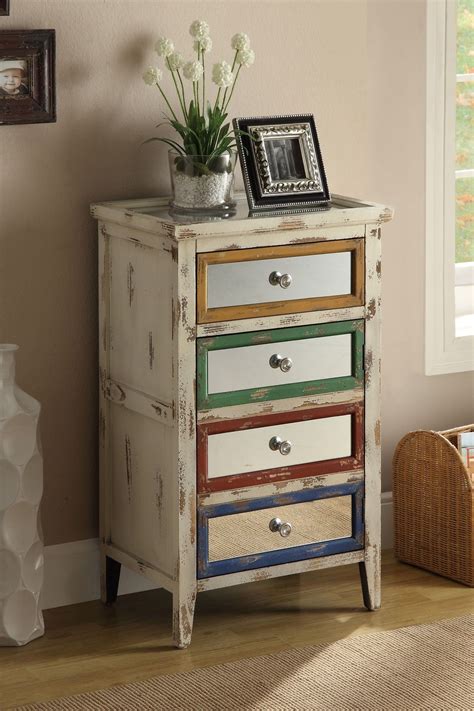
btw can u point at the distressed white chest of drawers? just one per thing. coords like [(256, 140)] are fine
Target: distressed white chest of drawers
[(239, 397)]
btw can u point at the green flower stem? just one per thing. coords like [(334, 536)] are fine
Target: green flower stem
[(233, 87), (184, 95), (203, 86), (227, 88), (197, 83), (177, 89), (217, 99), (167, 102)]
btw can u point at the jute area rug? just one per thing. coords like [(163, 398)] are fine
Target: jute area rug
[(420, 667)]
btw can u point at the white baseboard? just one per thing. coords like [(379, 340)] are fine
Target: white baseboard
[(72, 569), (72, 574), (387, 520)]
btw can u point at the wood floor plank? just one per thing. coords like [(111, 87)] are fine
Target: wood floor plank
[(89, 646)]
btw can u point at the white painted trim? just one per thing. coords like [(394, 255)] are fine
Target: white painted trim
[(72, 574), (444, 353), (387, 520), (72, 570)]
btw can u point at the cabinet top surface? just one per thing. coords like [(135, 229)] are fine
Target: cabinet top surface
[(153, 215)]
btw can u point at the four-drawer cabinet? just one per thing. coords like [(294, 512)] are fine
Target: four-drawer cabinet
[(239, 396)]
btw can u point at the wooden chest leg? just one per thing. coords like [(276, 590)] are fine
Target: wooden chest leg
[(183, 616), (109, 579), (369, 571)]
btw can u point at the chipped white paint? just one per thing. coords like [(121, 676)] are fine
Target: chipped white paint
[(372, 509), (277, 571), (235, 412), (104, 403), (281, 487), (289, 235), (183, 469), (286, 321), (122, 394), (147, 350), (152, 215)]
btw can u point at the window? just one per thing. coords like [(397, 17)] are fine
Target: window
[(450, 187)]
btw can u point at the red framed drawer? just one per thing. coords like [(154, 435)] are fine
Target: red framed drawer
[(290, 445)]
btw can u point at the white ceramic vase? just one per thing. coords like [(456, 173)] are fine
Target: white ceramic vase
[(21, 488)]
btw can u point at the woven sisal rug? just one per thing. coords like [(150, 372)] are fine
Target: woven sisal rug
[(420, 667)]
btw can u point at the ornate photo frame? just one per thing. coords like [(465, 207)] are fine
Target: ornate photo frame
[(281, 162), (27, 76)]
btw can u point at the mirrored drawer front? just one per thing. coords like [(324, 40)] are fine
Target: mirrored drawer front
[(268, 448), (271, 530), (243, 283), (285, 362)]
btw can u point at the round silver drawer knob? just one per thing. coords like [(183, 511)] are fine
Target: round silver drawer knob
[(279, 279), (277, 444), (278, 361), (276, 525)]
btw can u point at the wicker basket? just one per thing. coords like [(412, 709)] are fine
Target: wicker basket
[(433, 500)]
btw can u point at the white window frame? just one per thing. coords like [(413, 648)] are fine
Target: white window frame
[(444, 353)]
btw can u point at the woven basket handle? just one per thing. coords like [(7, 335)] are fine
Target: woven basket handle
[(457, 430)]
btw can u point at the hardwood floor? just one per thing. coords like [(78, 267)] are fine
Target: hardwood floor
[(89, 646)]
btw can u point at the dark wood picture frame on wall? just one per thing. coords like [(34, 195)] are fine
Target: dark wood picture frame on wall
[(27, 76), (4, 7)]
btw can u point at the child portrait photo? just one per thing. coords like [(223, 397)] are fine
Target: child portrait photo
[(27, 76), (13, 78)]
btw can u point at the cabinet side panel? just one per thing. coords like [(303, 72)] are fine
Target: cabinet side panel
[(141, 488), (140, 318)]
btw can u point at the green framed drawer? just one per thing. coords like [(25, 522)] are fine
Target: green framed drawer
[(285, 362)]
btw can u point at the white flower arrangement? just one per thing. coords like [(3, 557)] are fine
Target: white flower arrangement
[(175, 61), (240, 41), (222, 74), (202, 128), (204, 44), (164, 47), (245, 57), (193, 70), (152, 75), (199, 29)]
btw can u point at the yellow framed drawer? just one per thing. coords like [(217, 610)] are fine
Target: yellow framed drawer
[(244, 283)]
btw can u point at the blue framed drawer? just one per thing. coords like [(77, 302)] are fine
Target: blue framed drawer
[(267, 531)]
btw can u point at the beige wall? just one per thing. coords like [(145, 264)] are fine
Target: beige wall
[(357, 65)]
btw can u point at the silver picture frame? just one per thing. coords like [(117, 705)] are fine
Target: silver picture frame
[(281, 162)]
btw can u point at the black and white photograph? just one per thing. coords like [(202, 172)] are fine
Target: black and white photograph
[(285, 159), (13, 78), (281, 162)]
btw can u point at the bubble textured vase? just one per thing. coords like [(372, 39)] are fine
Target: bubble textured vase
[(202, 185), (21, 488)]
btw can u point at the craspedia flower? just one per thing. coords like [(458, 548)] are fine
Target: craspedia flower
[(164, 47), (245, 57), (199, 29), (204, 44), (240, 41), (193, 70), (222, 74), (175, 61), (152, 76)]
